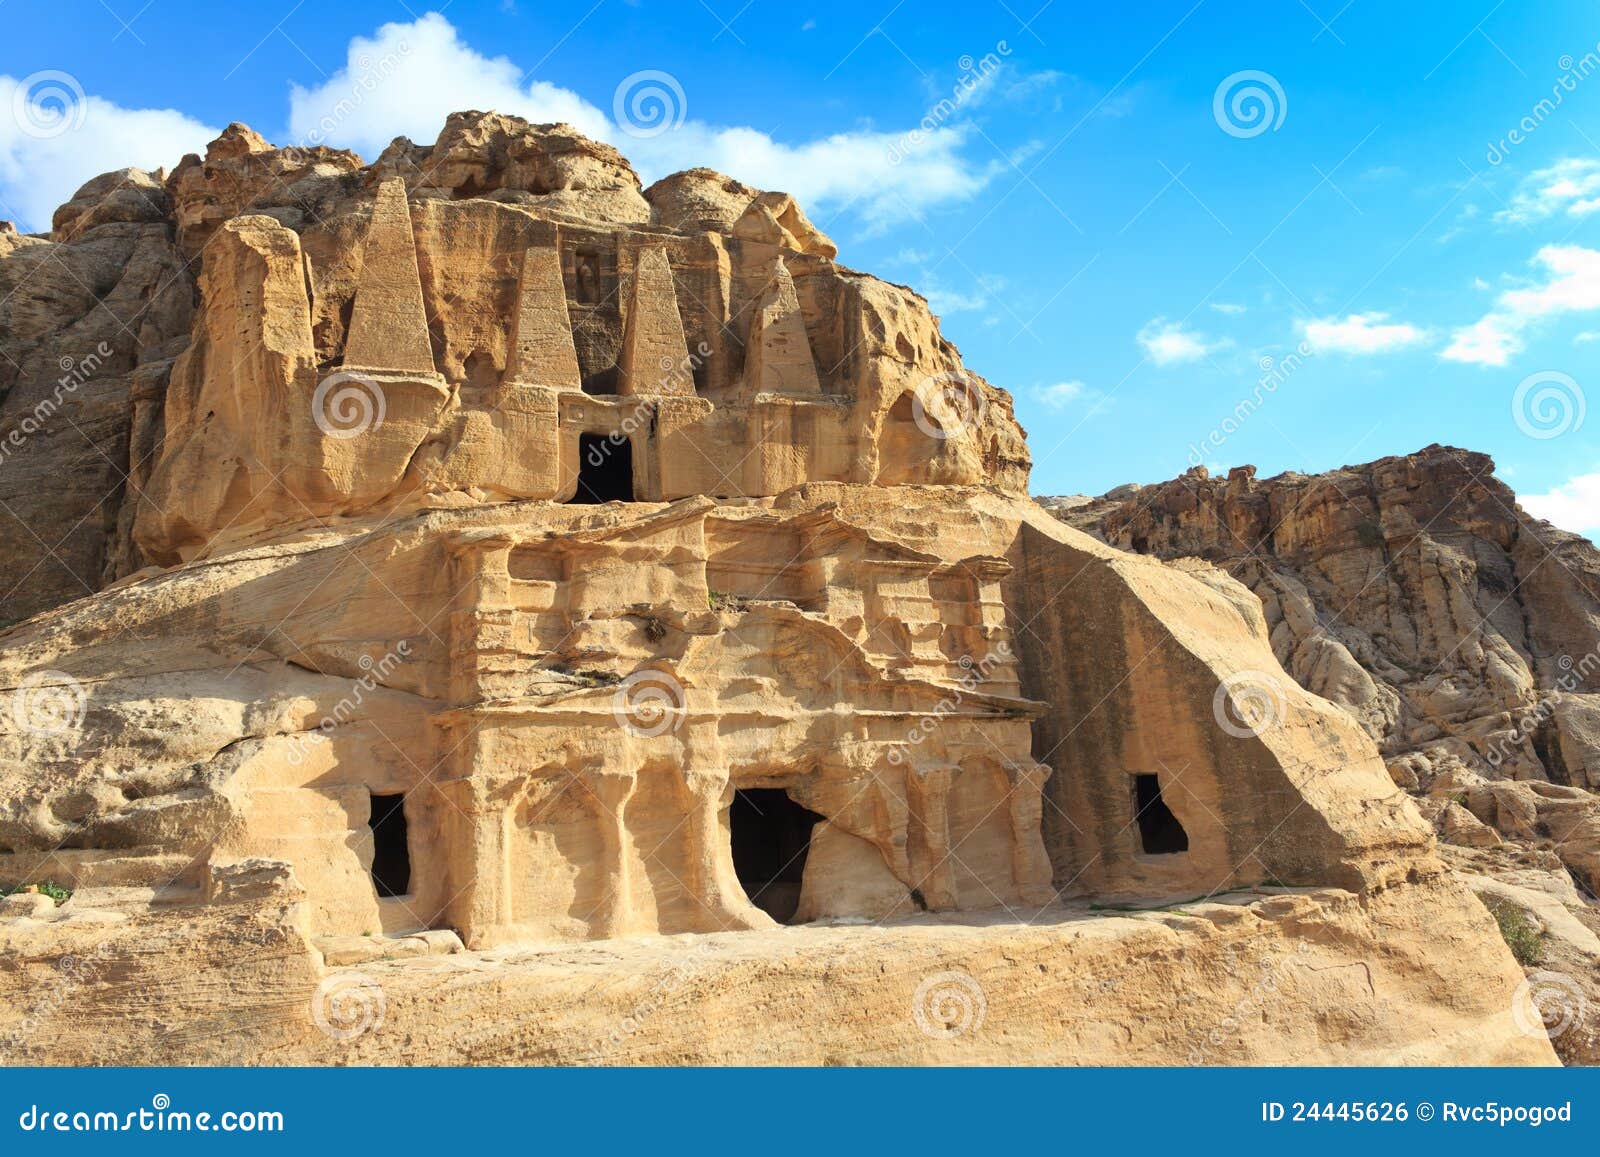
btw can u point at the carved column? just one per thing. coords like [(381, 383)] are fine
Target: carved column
[(928, 793), (1030, 865), (711, 873), (896, 822), (483, 643), (477, 812), (611, 790)]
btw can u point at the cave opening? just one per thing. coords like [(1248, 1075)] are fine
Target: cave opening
[(391, 847), (1160, 833), (771, 837), (605, 469)]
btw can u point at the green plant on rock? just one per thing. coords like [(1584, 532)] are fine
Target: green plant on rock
[(55, 891), (1524, 940)]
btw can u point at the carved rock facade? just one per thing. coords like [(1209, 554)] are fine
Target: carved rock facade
[(510, 550)]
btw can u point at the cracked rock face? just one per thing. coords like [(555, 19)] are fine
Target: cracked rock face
[(1416, 593), (475, 543)]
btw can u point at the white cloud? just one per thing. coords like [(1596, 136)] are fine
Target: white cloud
[(1061, 395), (405, 78), (1021, 85), (1169, 343), (1570, 186), (45, 160), (1489, 341), (1572, 286), (1227, 307), (1586, 337), (1574, 505), (1361, 334), (427, 71), (944, 301), (1072, 395)]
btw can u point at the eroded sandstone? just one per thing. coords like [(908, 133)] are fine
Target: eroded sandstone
[(503, 556)]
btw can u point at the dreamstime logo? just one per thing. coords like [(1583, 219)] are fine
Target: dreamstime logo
[(649, 103), (973, 676), (947, 404), (1574, 71), (375, 672), (1253, 1004), (1548, 404), (347, 405), (1248, 703), (949, 1004), (684, 969), (348, 1005), (1572, 678), (649, 703), (975, 74), (1274, 373), (48, 104), (74, 372), (1547, 1004), (369, 74), (76, 971), (1249, 103), (48, 703)]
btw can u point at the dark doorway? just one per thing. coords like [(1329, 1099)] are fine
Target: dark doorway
[(605, 469), (1159, 830), (391, 852), (771, 836)]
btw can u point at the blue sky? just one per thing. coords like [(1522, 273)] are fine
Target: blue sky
[(1402, 235)]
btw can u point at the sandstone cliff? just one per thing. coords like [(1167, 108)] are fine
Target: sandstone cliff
[(473, 553), (1416, 593)]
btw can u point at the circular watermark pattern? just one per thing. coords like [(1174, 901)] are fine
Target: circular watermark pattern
[(1248, 703), (649, 703), (48, 703), (346, 405), (49, 103), (649, 103), (348, 1004), (947, 404), (1548, 404), (1249, 103), (949, 1004), (1547, 1004)]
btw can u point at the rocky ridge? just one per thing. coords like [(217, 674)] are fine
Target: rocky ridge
[(449, 586), (1461, 632)]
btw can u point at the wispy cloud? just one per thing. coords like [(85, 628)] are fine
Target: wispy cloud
[(1570, 187), (1072, 395), (1170, 343), (1361, 334), (1572, 285)]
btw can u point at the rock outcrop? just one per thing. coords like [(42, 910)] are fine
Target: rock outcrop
[(1416, 593), (492, 553)]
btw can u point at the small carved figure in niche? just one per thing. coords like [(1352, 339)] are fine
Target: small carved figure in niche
[(588, 278)]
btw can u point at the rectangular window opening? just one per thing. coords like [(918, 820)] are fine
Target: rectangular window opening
[(391, 849)]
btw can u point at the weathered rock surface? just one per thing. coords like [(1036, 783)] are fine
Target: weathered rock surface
[(497, 554), (1416, 593)]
